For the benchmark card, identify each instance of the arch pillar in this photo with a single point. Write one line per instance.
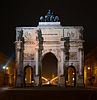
(19, 63)
(61, 77)
(80, 76)
(37, 69)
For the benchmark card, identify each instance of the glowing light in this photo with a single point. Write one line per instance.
(7, 68)
(73, 73)
(44, 78)
(48, 82)
(53, 79)
(73, 78)
(4, 67)
(88, 68)
(32, 81)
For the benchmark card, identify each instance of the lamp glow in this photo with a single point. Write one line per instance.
(4, 67)
(88, 68)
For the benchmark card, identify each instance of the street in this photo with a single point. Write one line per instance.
(48, 93)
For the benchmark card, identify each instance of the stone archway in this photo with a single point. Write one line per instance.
(28, 76)
(71, 76)
(49, 68)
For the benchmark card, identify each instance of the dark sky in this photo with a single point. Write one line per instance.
(27, 12)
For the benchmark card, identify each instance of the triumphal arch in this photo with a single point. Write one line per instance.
(49, 54)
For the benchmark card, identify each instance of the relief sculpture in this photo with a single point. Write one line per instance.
(28, 56)
(73, 55)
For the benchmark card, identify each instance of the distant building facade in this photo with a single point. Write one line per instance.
(90, 68)
(53, 45)
(7, 71)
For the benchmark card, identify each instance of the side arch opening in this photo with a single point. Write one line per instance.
(28, 76)
(70, 76)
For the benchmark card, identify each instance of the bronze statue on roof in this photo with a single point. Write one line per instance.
(49, 17)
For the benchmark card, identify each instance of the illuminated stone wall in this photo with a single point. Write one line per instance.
(52, 33)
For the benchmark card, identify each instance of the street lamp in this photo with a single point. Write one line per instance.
(4, 70)
(4, 67)
(88, 68)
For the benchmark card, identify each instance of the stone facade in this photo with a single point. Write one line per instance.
(65, 42)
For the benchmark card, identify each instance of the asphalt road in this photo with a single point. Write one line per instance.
(48, 93)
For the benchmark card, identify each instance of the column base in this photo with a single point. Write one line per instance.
(19, 82)
(36, 80)
(61, 81)
(80, 81)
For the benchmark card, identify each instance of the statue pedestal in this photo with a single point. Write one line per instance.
(50, 24)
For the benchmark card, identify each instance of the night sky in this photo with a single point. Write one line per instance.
(27, 12)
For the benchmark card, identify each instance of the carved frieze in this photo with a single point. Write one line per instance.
(30, 42)
(76, 43)
(28, 36)
(51, 42)
(73, 55)
(70, 34)
(73, 34)
(28, 56)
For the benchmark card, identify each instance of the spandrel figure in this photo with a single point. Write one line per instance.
(20, 34)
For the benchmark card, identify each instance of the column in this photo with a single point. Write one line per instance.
(40, 48)
(80, 78)
(61, 69)
(61, 77)
(19, 50)
(36, 69)
(62, 62)
(80, 61)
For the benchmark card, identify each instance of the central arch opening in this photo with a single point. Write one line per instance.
(49, 69)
